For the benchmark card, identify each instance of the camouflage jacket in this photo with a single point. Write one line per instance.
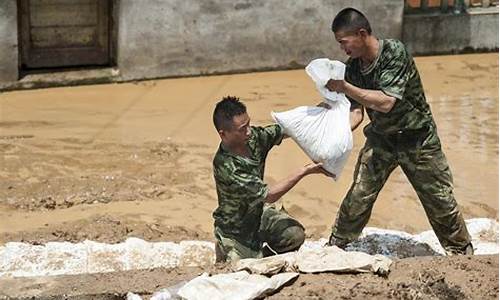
(240, 187)
(393, 72)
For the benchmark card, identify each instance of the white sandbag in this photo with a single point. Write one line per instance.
(316, 259)
(483, 231)
(324, 134)
(237, 286)
(321, 70)
(334, 259)
(170, 293)
(132, 296)
(268, 266)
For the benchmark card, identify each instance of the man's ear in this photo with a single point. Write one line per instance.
(363, 33)
(221, 133)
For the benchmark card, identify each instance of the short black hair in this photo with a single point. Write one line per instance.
(225, 110)
(350, 20)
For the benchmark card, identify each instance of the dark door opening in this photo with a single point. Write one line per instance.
(64, 33)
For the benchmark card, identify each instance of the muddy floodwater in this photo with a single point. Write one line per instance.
(105, 162)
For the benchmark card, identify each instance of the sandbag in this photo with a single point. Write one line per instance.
(321, 70)
(324, 134)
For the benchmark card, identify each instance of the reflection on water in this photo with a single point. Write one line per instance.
(470, 122)
(463, 93)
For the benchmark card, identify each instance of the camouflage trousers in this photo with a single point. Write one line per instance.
(419, 155)
(278, 233)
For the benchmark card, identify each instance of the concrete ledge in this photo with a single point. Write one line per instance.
(48, 79)
(431, 34)
(62, 78)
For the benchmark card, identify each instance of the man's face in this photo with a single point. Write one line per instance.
(352, 43)
(239, 133)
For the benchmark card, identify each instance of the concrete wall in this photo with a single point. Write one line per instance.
(163, 38)
(438, 34)
(190, 37)
(8, 41)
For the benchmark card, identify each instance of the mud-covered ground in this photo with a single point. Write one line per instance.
(107, 162)
(458, 277)
(411, 278)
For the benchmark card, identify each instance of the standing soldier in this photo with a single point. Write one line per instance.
(381, 76)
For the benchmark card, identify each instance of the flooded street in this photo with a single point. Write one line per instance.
(105, 162)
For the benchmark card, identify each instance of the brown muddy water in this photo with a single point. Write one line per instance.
(109, 161)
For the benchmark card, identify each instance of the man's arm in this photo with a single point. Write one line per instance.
(356, 117)
(278, 190)
(373, 99)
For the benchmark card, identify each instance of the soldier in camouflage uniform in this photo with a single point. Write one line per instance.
(244, 224)
(382, 77)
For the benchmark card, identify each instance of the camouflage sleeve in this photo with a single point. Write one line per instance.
(395, 73)
(354, 104)
(269, 136)
(235, 183)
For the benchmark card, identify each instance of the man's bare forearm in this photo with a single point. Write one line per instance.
(282, 187)
(372, 99)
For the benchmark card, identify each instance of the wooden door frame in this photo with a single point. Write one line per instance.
(24, 44)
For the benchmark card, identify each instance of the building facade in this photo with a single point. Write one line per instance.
(169, 38)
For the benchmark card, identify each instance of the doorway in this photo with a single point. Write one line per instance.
(65, 33)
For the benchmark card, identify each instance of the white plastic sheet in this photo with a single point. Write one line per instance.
(238, 286)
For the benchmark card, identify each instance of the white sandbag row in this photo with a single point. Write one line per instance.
(400, 244)
(58, 258)
(483, 231)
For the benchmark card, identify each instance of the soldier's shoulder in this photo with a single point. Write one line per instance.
(393, 47)
(223, 169)
(222, 159)
(393, 44)
(256, 130)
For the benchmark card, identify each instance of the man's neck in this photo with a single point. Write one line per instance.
(371, 51)
(241, 150)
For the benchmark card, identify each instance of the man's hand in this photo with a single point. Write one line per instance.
(282, 187)
(338, 86)
(316, 168)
